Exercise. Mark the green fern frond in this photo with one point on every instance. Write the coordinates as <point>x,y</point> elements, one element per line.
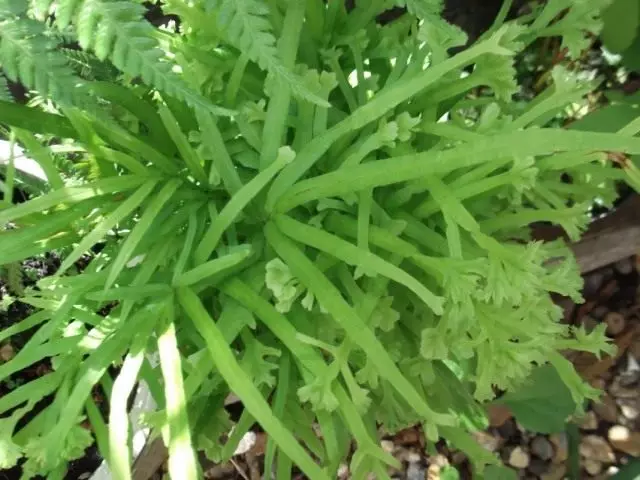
<point>431,11</point>
<point>423,9</point>
<point>30,56</point>
<point>247,27</point>
<point>116,30</point>
<point>5,94</point>
<point>88,65</point>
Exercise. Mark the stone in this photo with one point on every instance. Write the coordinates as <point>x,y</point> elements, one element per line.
<point>518,458</point>
<point>556,472</point>
<point>561,445</point>
<point>458,457</point>
<point>508,429</point>
<point>589,421</point>
<point>415,471</point>
<point>407,437</point>
<point>615,323</point>
<point>433,472</point>
<point>439,460</point>
<point>630,408</point>
<point>625,440</point>
<point>542,448</point>
<point>413,457</point>
<point>487,441</point>
<point>538,466</point>
<point>596,448</point>
<point>343,471</point>
<point>619,388</point>
<point>634,348</point>
<point>624,266</point>
<point>606,408</point>
<point>593,467</point>
<point>7,352</point>
<point>387,446</point>
<point>600,311</point>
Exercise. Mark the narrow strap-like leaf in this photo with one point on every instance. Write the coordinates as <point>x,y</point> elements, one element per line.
<point>119,444</point>
<point>142,227</point>
<point>72,195</point>
<point>532,142</point>
<point>331,299</point>
<point>222,162</point>
<point>213,267</point>
<point>189,155</point>
<point>351,254</point>
<point>182,456</point>
<point>119,214</point>
<point>242,386</point>
<point>237,203</point>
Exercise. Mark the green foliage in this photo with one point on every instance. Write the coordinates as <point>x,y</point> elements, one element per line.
<point>543,404</point>
<point>351,246</point>
<point>500,473</point>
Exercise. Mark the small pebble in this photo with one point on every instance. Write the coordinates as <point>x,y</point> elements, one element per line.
<point>438,460</point>
<point>619,388</point>
<point>561,445</point>
<point>556,472</point>
<point>593,467</point>
<point>625,440</point>
<point>630,408</point>
<point>433,472</point>
<point>387,446</point>
<point>415,471</point>
<point>592,283</point>
<point>7,352</point>
<point>538,466</point>
<point>406,437</point>
<point>589,421</point>
<point>606,408</point>
<point>625,266</point>
<point>508,429</point>
<point>615,323</point>
<point>458,458</point>
<point>596,448</point>
<point>518,458</point>
<point>542,448</point>
<point>487,441</point>
<point>634,348</point>
<point>600,311</point>
<point>413,457</point>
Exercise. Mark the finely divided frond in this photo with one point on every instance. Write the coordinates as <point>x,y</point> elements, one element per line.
<point>247,27</point>
<point>431,11</point>
<point>30,56</point>
<point>117,30</point>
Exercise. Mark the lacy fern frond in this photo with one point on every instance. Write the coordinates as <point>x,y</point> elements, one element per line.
<point>246,25</point>
<point>116,30</point>
<point>431,12</point>
<point>88,65</point>
<point>30,56</point>
<point>5,94</point>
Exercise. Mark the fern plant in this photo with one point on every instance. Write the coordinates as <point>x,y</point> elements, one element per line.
<point>346,258</point>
